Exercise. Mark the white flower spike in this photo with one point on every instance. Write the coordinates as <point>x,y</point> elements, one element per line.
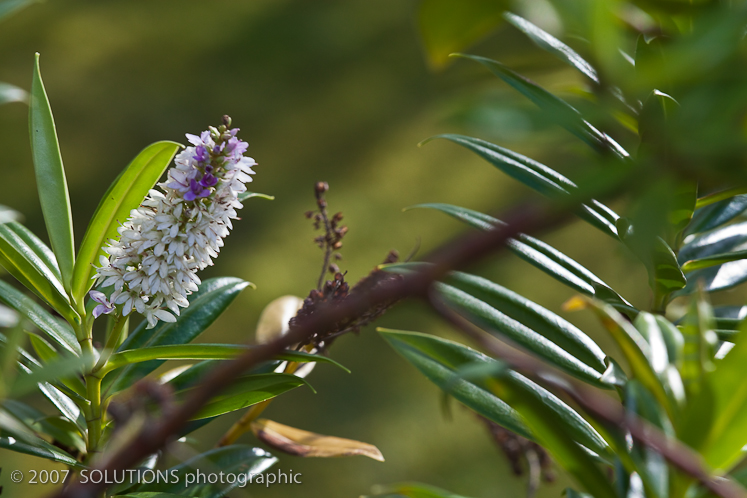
<point>177,230</point>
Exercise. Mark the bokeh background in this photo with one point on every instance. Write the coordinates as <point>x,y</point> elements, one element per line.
<point>335,90</point>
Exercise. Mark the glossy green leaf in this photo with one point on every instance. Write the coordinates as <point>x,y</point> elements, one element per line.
<point>411,490</point>
<point>124,194</point>
<point>494,320</point>
<point>26,261</point>
<point>714,215</point>
<point>444,29</point>
<point>235,459</point>
<point>50,178</point>
<point>547,42</point>
<point>725,240</point>
<point>537,176</point>
<point>715,260</point>
<point>199,352</point>
<point>247,391</point>
<point>148,494</point>
<point>442,361</point>
<point>59,332</point>
<point>664,272</point>
<point>554,108</point>
<point>40,449</point>
<point>248,195</point>
<point>538,254</point>
<point>636,350</point>
<point>212,298</point>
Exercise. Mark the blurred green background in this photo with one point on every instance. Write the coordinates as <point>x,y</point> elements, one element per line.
<point>328,90</point>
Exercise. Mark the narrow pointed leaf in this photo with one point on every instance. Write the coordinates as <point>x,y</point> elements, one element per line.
<point>715,260</point>
<point>714,215</point>
<point>537,253</point>
<point>537,176</point>
<point>441,361</point>
<point>28,265</point>
<point>59,332</point>
<point>556,109</point>
<point>547,42</point>
<point>41,449</point>
<point>247,391</point>
<point>729,239</point>
<point>494,320</point>
<point>309,444</point>
<point>198,352</point>
<point>125,194</point>
<point>50,178</point>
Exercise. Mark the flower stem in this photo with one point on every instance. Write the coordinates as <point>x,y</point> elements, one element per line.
<point>112,342</point>
<point>94,417</point>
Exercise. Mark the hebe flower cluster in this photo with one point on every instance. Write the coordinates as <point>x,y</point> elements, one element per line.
<point>177,230</point>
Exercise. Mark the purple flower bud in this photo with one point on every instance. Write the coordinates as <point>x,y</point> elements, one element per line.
<point>208,180</point>
<point>195,191</point>
<point>201,153</point>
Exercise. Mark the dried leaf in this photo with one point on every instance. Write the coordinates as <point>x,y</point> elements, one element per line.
<point>308,444</point>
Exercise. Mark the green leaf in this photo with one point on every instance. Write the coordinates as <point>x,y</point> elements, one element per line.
<point>247,391</point>
<point>664,272</point>
<point>520,309</point>
<point>235,459</point>
<point>198,352</point>
<point>551,44</point>
<point>27,263</point>
<point>40,449</point>
<point>555,108</point>
<point>124,194</point>
<point>206,305</point>
<point>50,178</point>
<point>10,93</point>
<point>722,241</point>
<point>59,332</point>
<point>442,361</point>
<point>636,349</point>
<point>444,29</point>
<point>714,215</point>
<point>715,260</point>
<point>537,253</point>
<point>537,176</point>
<point>248,195</point>
<point>411,490</point>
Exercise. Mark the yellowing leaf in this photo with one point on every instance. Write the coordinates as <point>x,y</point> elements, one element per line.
<point>308,444</point>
